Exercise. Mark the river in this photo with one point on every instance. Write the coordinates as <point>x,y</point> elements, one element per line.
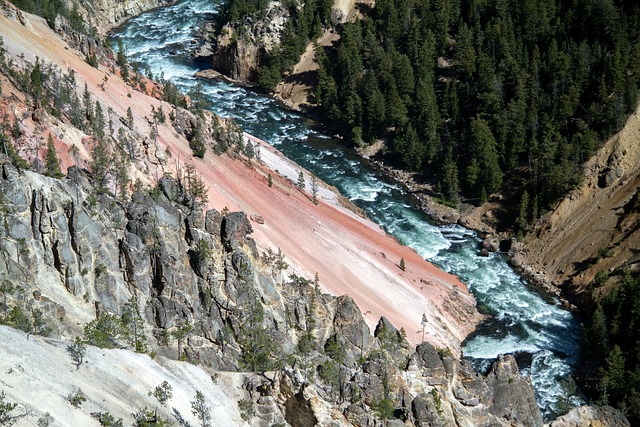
<point>544,337</point>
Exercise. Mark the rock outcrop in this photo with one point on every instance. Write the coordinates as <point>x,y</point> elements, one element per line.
<point>80,256</point>
<point>240,46</point>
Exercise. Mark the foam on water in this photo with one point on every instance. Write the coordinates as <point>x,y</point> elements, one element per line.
<point>522,322</point>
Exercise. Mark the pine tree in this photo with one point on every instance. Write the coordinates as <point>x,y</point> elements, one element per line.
<point>133,325</point>
<point>98,121</point>
<point>301,182</point>
<point>130,122</point>
<point>201,410</point>
<point>52,163</point>
<point>314,189</point>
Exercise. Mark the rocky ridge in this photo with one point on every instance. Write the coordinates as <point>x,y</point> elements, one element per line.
<point>79,259</point>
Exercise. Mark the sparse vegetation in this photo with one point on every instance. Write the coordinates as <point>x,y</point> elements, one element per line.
<point>76,399</point>
<point>107,420</point>
<point>148,418</point>
<point>247,410</point>
<point>77,351</point>
<point>201,410</point>
<point>45,420</point>
<point>162,392</point>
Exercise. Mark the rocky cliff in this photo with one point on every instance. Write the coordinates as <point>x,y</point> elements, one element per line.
<point>104,15</point>
<point>78,259</point>
<point>149,268</point>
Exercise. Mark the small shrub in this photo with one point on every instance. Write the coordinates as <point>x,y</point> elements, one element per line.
<point>601,278</point>
<point>384,408</point>
<point>437,400</point>
<point>247,411</point>
<point>108,420</point>
<point>148,418</point>
<point>163,392</point>
<point>45,420</point>
<point>76,399</point>
<point>77,350</point>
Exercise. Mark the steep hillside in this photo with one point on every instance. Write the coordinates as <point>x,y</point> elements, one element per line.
<point>92,259</point>
<point>594,230</point>
<point>367,257</point>
<point>217,260</point>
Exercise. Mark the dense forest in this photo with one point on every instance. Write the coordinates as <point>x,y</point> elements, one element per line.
<point>479,96</point>
<point>49,9</point>
<point>612,350</point>
<point>471,91</point>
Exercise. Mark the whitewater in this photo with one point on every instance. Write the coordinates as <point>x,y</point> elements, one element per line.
<point>544,337</point>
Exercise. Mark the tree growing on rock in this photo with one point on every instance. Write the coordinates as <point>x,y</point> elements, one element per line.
<point>133,325</point>
<point>180,334</point>
<point>162,392</point>
<point>201,410</point>
<point>195,186</point>
<point>77,351</point>
<point>300,182</point>
<point>314,189</point>
<point>51,162</point>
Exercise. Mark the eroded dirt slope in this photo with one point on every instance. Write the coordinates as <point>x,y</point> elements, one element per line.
<point>596,226</point>
<point>351,255</point>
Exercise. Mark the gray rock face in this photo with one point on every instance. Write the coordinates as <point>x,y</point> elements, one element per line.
<point>235,229</point>
<point>77,259</point>
<point>512,394</point>
<point>604,416</point>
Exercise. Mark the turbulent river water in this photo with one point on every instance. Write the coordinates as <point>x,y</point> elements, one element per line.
<point>544,337</point>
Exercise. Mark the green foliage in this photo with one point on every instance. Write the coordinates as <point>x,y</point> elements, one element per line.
<point>259,350</point>
<point>384,408</point>
<point>201,410</point>
<point>52,163</point>
<point>195,186</point>
<point>600,279</point>
<point>605,253</point>
<point>148,418</point>
<point>530,89</point>
<point>104,331</point>
<point>45,420</point>
<point>437,400</point>
<point>107,420</point>
<point>17,318</point>
<point>6,418</point>
<point>445,352</point>
<point>329,371</point>
<point>300,183</point>
<point>92,60</point>
<point>162,392</point>
<point>132,325</point>
<point>304,25</point>
<point>76,399</point>
<point>612,349</point>
<point>180,333</point>
<point>49,9</point>
<point>402,265</point>
<point>247,410</point>
<point>77,351</point>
